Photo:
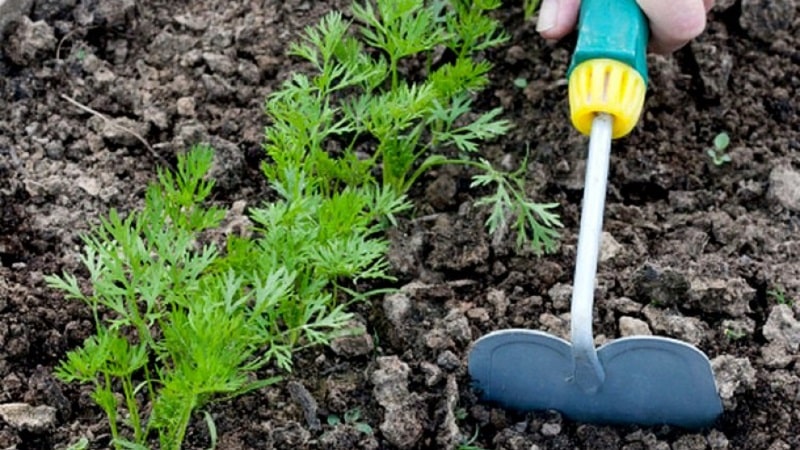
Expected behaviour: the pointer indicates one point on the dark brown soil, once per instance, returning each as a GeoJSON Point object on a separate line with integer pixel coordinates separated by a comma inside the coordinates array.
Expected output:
{"type": "Point", "coordinates": [693, 250]}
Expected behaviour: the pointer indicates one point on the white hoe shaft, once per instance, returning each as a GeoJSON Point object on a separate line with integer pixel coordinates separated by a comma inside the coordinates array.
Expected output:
{"type": "Point", "coordinates": [589, 373]}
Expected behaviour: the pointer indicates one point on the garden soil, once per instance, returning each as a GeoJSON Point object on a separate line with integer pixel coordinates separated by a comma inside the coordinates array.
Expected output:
{"type": "Point", "coordinates": [96, 94]}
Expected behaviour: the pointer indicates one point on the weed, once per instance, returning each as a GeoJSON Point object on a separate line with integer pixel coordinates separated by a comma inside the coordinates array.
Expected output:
{"type": "Point", "coordinates": [387, 129]}
{"type": "Point", "coordinates": [717, 153]}
{"type": "Point", "coordinates": [469, 444]}
{"type": "Point", "coordinates": [734, 335]}
{"type": "Point", "coordinates": [779, 295]}
{"type": "Point", "coordinates": [352, 418]}
{"type": "Point", "coordinates": [521, 83]}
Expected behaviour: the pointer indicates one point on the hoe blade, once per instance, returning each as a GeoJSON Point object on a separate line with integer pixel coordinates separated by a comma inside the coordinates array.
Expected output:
{"type": "Point", "coordinates": [648, 380]}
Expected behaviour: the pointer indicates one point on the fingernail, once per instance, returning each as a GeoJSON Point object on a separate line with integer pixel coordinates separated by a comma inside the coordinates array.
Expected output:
{"type": "Point", "coordinates": [548, 15]}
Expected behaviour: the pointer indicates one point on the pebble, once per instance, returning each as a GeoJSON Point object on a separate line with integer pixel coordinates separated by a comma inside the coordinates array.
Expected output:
{"type": "Point", "coordinates": [733, 376]}
{"type": "Point", "coordinates": [609, 247]}
{"type": "Point", "coordinates": [396, 308]}
{"type": "Point", "coordinates": [782, 330]}
{"type": "Point", "coordinates": [498, 299]}
{"type": "Point", "coordinates": [186, 106]}
{"type": "Point", "coordinates": [630, 326]}
{"type": "Point", "coordinates": [23, 416]}
{"type": "Point", "coordinates": [689, 329]}
{"type": "Point", "coordinates": [560, 294]}
{"type": "Point", "coordinates": [784, 187]}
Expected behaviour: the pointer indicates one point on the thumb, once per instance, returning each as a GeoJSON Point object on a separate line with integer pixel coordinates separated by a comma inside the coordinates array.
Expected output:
{"type": "Point", "coordinates": [674, 23]}
{"type": "Point", "coordinates": [557, 18]}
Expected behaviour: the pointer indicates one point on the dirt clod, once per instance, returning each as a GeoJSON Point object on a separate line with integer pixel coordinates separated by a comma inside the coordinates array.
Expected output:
{"type": "Point", "coordinates": [631, 326]}
{"type": "Point", "coordinates": [27, 417]}
{"type": "Point", "coordinates": [784, 187]}
{"type": "Point", "coordinates": [401, 425]}
{"type": "Point", "coordinates": [30, 40]}
{"type": "Point", "coordinates": [763, 18]}
{"type": "Point", "coordinates": [733, 375]}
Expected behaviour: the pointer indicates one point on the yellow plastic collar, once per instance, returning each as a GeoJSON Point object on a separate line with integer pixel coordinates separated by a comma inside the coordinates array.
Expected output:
{"type": "Point", "coordinates": [608, 86]}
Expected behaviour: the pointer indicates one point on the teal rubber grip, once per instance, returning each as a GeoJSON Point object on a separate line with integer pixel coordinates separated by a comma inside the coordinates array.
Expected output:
{"type": "Point", "coordinates": [612, 29]}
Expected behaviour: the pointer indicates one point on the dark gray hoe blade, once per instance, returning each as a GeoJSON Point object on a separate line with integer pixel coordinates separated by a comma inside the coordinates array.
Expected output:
{"type": "Point", "coordinates": [649, 380]}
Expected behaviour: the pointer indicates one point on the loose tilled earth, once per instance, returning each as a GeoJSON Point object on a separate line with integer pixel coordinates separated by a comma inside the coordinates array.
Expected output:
{"type": "Point", "coordinates": [694, 251]}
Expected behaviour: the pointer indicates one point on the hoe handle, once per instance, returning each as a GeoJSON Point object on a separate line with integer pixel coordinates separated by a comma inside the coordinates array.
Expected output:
{"type": "Point", "coordinates": [607, 83]}
{"type": "Point", "coordinates": [589, 374]}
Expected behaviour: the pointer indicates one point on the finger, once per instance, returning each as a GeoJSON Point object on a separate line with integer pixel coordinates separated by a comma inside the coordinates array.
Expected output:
{"type": "Point", "coordinates": [674, 23]}
{"type": "Point", "coordinates": [557, 18]}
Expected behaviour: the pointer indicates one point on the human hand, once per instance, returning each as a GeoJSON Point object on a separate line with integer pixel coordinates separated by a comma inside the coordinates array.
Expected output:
{"type": "Point", "coordinates": [673, 23]}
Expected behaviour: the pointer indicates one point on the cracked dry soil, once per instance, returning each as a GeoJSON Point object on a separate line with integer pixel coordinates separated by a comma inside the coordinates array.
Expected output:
{"type": "Point", "coordinates": [691, 250]}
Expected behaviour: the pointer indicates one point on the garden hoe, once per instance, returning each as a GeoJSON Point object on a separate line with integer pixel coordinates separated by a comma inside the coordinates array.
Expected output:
{"type": "Point", "coordinates": [642, 380]}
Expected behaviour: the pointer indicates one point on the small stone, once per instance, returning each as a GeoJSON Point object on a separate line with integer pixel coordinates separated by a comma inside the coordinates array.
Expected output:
{"type": "Point", "coordinates": [557, 325]}
{"type": "Point", "coordinates": [23, 416]}
{"type": "Point", "coordinates": [717, 440]}
{"type": "Point", "coordinates": [551, 429]}
{"type": "Point", "coordinates": [457, 326]}
{"type": "Point", "coordinates": [560, 294]}
{"type": "Point", "coordinates": [625, 305]}
{"type": "Point", "coordinates": [396, 307]}
{"type": "Point", "coordinates": [186, 106]}
{"type": "Point", "coordinates": [90, 185]}
{"type": "Point", "coordinates": [784, 187]}
{"type": "Point", "coordinates": [630, 326]}
{"type": "Point", "coordinates": [437, 339]}
{"type": "Point", "coordinates": [609, 247]}
{"type": "Point", "coordinates": [733, 375]}
{"type": "Point", "coordinates": [783, 328]}
{"type": "Point", "coordinates": [433, 374]}
{"type": "Point", "coordinates": [782, 331]}
{"type": "Point", "coordinates": [498, 299]}
{"type": "Point", "coordinates": [448, 360]}
{"type": "Point", "coordinates": [478, 314]}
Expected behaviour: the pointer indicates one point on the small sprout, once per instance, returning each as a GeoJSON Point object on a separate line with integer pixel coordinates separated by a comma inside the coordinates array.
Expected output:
{"type": "Point", "coordinates": [81, 444]}
{"type": "Point", "coordinates": [470, 443]}
{"type": "Point", "coordinates": [734, 335]}
{"type": "Point", "coordinates": [352, 418]}
{"type": "Point", "coordinates": [779, 295]}
{"type": "Point", "coordinates": [717, 153]}
{"type": "Point", "coordinates": [521, 83]}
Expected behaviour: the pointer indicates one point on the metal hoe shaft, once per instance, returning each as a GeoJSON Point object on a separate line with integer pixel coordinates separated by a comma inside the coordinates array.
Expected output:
{"type": "Point", "coordinates": [589, 373]}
